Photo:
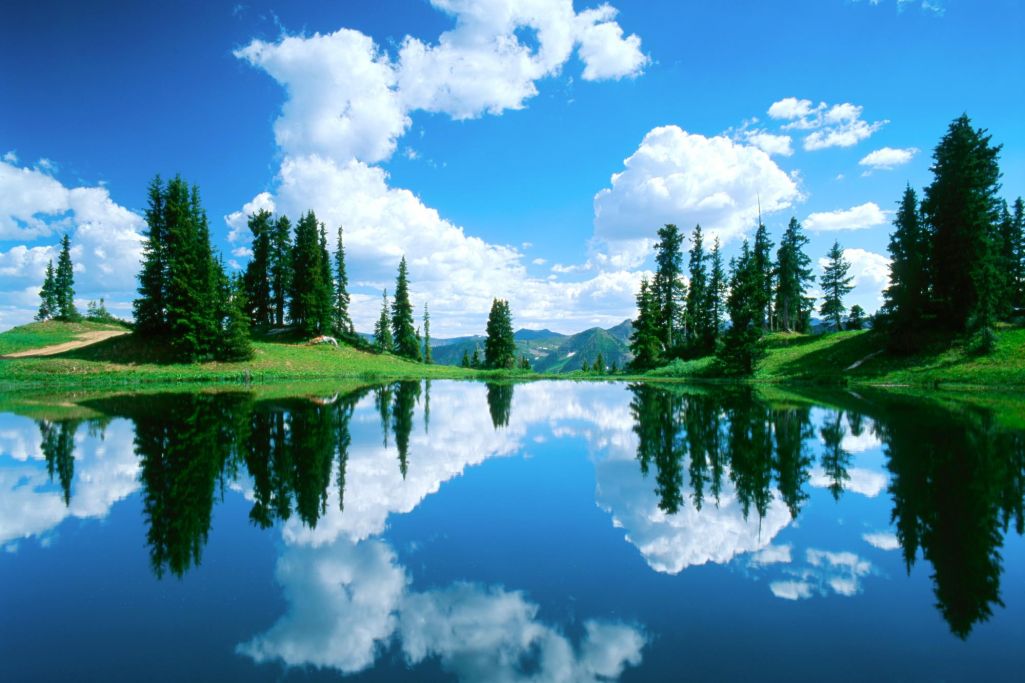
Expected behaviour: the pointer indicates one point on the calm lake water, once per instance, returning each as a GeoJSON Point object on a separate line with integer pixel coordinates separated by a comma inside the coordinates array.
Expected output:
{"type": "Point", "coordinates": [546, 532]}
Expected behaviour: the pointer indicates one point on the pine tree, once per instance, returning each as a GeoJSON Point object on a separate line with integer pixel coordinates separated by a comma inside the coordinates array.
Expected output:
{"type": "Point", "coordinates": [645, 344]}
{"type": "Point", "coordinates": [715, 297]}
{"type": "Point", "coordinates": [856, 319]}
{"type": "Point", "coordinates": [258, 277]}
{"type": "Point", "coordinates": [183, 287]}
{"type": "Point", "coordinates": [500, 346]}
{"type": "Point", "coordinates": [281, 267]}
{"type": "Point", "coordinates": [235, 343]}
{"type": "Point", "coordinates": [406, 343]}
{"type": "Point", "coordinates": [475, 359]}
{"type": "Point", "coordinates": [699, 324]}
{"type": "Point", "coordinates": [763, 266]}
{"type": "Point", "coordinates": [836, 284]}
{"type": "Point", "coordinates": [382, 328]}
{"type": "Point", "coordinates": [961, 209]}
{"type": "Point", "coordinates": [64, 282]}
{"type": "Point", "coordinates": [309, 306]}
{"type": "Point", "coordinates": [465, 363]}
{"type": "Point", "coordinates": [793, 275]}
{"type": "Point", "coordinates": [326, 293]}
{"type": "Point", "coordinates": [47, 296]}
{"type": "Point", "coordinates": [342, 320]}
{"type": "Point", "coordinates": [906, 297]}
{"type": "Point", "coordinates": [150, 308]}
{"type": "Point", "coordinates": [741, 348]}
{"type": "Point", "coordinates": [210, 274]}
{"type": "Point", "coordinates": [427, 336]}
{"type": "Point", "coordinates": [1018, 231]}
{"type": "Point", "coordinates": [599, 364]}
{"type": "Point", "coordinates": [668, 287]}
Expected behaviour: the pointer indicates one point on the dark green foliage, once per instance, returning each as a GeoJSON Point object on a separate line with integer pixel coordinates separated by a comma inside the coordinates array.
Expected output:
{"type": "Point", "coordinates": [342, 321]}
{"type": "Point", "coordinates": [47, 296]}
{"type": "Point", "coordinates": [150, 312]}
{"type": "Point", "coordinates": [715, 297]}
{"type": "Point", "coordinates": [382, 328]}
{"type": "Point", "coordinates": [793, 275]}
{"type": "Point", "coordinates": [524, 363]}
{"type": "Point", "coordinates": [427, 336]}
{"type": "Point", "coordinates": [403, 332]}
{"type": "Point", "coordinates": [281, 267]}
{"type": "Point", "coordinates": [599, 364]}
{"type": "Point", "coordinates": [407, 394]}
{"type": "Point", "coordinates": [907, 295]}
{"type": "Point", "coordinates": [1018, 235]}
{"type": "Point", "coordinates": [235, 342]}
{"type": "Point", "coordinates": [500, 404]}
{"type": "Point", "coordinates": [58, 446]}
{"type": "Point", "coordinates": [465, 363]}
{"type": "Point", "coordinates": [668, 288]}
{"type": "Point", "coordinates": [700, 329]}
{"type": "Point", "coordinates": [64, 283]}
{"type": "Point", "coordinates": [742, 348]}
{"type": "Point", "coordinates": [500, 347]}
{"type": "Point", "coordinates": [310, 298]}
{"type": "Point", "coordinates": [962, 210]}
{"type": "Point", "coordinates": [475, 362]}
{"type": "Point", "coordinates": [258, 275]}
{"type": "Point", "coordinates": [763, 266]}
{"type": "Point", "coordinates": [645, 344]}
{"type": "Point", "coordinates": [856, 319]}
{"type": "Point", "coordinates": [836, 284]}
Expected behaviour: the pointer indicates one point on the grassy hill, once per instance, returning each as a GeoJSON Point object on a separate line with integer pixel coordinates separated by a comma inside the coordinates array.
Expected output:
{"type": "Point", "coordinates": [861, 357]}
{"type": "Point", "coordinates": [49, 333]}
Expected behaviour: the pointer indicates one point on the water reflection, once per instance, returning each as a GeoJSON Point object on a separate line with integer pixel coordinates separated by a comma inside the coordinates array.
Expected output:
{"type": "Point", "coordinates": [691, 476]}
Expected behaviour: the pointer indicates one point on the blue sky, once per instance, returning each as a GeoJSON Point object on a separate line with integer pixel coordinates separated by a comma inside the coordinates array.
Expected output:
{"type": "Point", "coordinates": [480, 138]}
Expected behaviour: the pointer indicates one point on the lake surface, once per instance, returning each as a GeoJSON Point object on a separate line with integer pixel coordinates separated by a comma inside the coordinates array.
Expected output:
{"type": "Point", "coordinates": [551, 531]}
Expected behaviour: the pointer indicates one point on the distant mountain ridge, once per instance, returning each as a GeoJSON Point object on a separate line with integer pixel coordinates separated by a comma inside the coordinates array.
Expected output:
{"type": "Point", "coordinates": [548, 351]}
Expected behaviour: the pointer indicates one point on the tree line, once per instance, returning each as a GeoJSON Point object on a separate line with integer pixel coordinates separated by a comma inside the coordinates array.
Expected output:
{"type": "Point", "coordinates": [958, 254]}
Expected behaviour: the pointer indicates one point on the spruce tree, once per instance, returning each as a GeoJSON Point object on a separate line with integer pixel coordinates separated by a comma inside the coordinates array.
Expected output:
{"type": "Point", "coordinates": [1018, 231]}
{"type": "Point", "coordinates": [64, 282]}
{"type": "Point", "coordinates": [741, 348]}
{"type": "Point", "coordinates": [406, 343]}
{"type": "Point", "coordinates": [699, 324]}
{"type": "Point", "coordinates": [47, 296]}
{"type": "Point", "coordinates": [906, 297]}
{"type": "Point", "coordinates": [342, 320]}
{"type": "Point", "coordinates": [961, 209]}
{"type": "Point", "coordinates": [793, 275]}
{"type": "Point", "coordinates": [258, 275]}
{"type": "Point", "coordinates": [856, 319]}
{"type": "Point", "coordinates": [836, 284]}
{"type": "Point", "coordinates": [645, 342]}
{"type": "Point", "coordinates": [235, 344]}
{"type": "Point", "coordinates": [184, 286]}
{"type": "Point", "coordinates": [427, 336]}
{"type": "Point", "coordinates": [500, 346]}
{"type": "Point", "coordinates": [475, 359]}
{"type": "Point", "coordinates": [668, 287]}
{"type": "Point", "coordinates": [150, 307]}
{"type": "Point", "coordinates": [309, 306]}
{"type": "Point", "coordinates": [599, 364]}
{"type": "Point", "coordinates": [763, 266]}
{"type": "Point", "coordinates": [465, 363]}
{"type": "Point", "coordinates": [326, 293]}
{"type": "Point", "coordinates": [382, 328]}
{"type": "Point", "coordinates": [281, 267]}
{"type": "Point", "coordinates": [715, 296]}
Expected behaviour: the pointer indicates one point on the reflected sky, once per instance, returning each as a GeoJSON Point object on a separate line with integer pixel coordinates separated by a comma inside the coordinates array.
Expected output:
{"type": "Point", "coordinates": [542, 531]}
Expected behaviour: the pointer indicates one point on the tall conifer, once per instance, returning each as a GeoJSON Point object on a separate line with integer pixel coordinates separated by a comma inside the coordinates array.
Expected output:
{"type": "Point", "coordinates": [668, 287]}
{"type": "Point", "coordinates": [403, 331]}
{"type": "Point", "coordinates": [793, 275]}
{"type": "Point", "coordinates": [382, 328]}
{"type": "Point", "coordinates": [342, 320]}
{"type": "Point", "coordinates": [698, 320]}
{"type": "Point", "coordinates": [281, 267]}
{"type": "Point", "coordinates": [47, 296]}
{"type": "Point", "coordinates": [64, 282]}
{"type": "Point", "coordinates": [258, 271]}
{"type": "Point", "coordinates": [836, 284]}
{"type": "Point", "coordinates": [150, 307]}
{"type": "Point", "coordinates": [500, 346]}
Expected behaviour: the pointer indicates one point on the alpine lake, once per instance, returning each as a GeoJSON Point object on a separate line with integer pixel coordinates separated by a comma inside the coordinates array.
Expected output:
{"type": "Point", "coordinates": [545, 531]}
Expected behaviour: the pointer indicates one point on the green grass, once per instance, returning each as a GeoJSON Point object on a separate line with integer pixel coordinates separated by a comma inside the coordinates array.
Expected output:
{"type": "Point", "coordinates": [37, 335]}
{"type": "Point", "coordinates": [827, 359]}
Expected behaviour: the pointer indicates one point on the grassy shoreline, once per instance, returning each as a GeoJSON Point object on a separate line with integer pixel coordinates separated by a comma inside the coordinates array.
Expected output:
{"type": "Point", "coordinates": [839, 359]}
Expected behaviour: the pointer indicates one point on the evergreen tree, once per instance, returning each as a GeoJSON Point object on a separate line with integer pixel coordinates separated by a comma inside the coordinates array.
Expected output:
{"type": "Point", "coordinates": [961, 209]}
{"type": "Point", "coordinates": [906, 297]}
{"type": "Point", "coordinates": [524, 362]}
{"type": "Point", "coordinates": [836, 284]}
{"type": "Point", "coordinates": [150, 309]}
{"type": "Point", "coordinates": [1018, 231]}
{"type": "Point", "coordinates": [427, 336]}
{"type": "Point", "coordinates": [475, 360]}
{"type": "Point", "coordinates": [741, 348]}
{"type": "Point", "coordinates": [856, 319]}
{"type": "Point", "coordinates": [382, 328]}
{"type": "Point", "coordinates": [281, 267]}
{"type": "Point", "coordinates": [209, 275]}
{"type": "Point", "coordinates": [762, 255]}
{"type": "Point", "coordinates": [342, 320]}
{"type": "Point", "coordinates": [326, 294]}
{"type": "Point", "coordinates": [258, 276]}
{"type": "Point", "coordinates": [64, 282]}
{"type": "Point", "coordinates": [599, 364]}
{"type": "Point", "coordinates": [235, 343]}
{"type": "Point", "coordinates": [47, 296]}
{"type": "Point", "coordinates": [500, 346]}
{"type": "Point", "coordinates": [465, 363]}
{"type": "Point", "coordinates": [793, 275]}
{"type": "Point", "coordinates": [668, 287]}
{"type": "Point", "coordinates": [406, 343]}
{"type": "Point", "coordinates": [309, 306]}
{"type": "Point", "coordinates": [699, 327]}
{"type": "Point", "coordinates": [645, 344]}
{"type": "Point", "coordinates": [715, 296]}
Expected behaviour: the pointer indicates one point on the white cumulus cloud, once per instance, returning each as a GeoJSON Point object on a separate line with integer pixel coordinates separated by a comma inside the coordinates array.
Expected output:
{"type": "Point", "coordinates": [839, 125]}
{"type": "Point", "coordinates": [886, 158]}
{"type": "Point", "coordinates": [867, 215]}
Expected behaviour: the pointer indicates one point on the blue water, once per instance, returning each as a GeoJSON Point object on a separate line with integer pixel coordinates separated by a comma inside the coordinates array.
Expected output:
{"type": "Point", "coordinates": [523, 542]}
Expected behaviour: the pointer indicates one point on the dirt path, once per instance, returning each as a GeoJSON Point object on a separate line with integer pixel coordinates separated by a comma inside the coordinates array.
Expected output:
{"type": "Point", "coordinates": [84, 339]}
